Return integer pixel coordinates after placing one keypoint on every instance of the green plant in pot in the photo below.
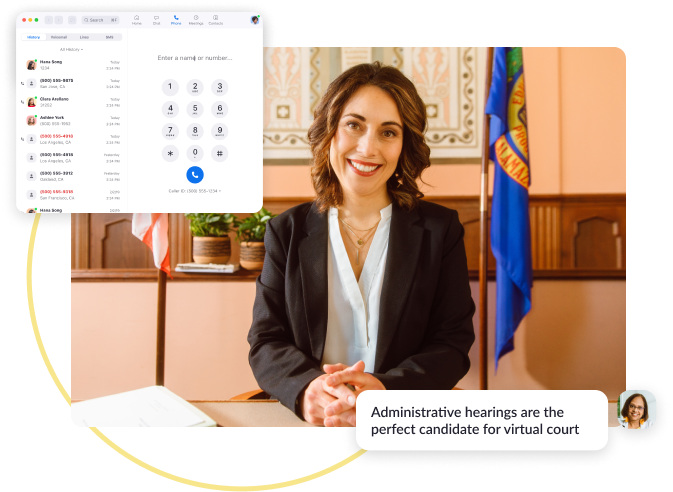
(210, 239)
(251, 237)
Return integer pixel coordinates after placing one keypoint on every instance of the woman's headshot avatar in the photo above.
(634, 413)
(31, 102)
(31, 120)
(31, 64)
(255, 19)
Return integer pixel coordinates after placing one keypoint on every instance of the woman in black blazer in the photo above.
(369, 149)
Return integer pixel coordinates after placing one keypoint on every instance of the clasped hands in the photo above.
(328, 401)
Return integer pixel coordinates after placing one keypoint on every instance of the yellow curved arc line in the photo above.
(106, 440)
(31, 308)
(226, 487)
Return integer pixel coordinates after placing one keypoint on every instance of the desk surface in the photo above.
(251, 413)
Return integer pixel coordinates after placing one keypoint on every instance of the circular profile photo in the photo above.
(31, 102)
(31, 120)
(30, 211)
(31, 65)
(254, 19)
(637, 409)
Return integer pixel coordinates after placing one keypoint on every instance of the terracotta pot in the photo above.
(211, 249)
(252, 255)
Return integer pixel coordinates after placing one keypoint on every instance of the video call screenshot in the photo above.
(415, 242)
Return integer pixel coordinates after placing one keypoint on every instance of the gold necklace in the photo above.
(361, 230)
(360, 240)
(361, 243)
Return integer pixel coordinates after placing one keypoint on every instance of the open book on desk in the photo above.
(154, 406)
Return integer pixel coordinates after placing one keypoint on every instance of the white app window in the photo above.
(139, 112)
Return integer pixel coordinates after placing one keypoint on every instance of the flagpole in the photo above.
(483, 238)
(161, 326)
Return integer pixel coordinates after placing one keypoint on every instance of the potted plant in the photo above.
(251, 237)
(210, 243)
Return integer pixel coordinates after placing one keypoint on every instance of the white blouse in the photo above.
(353, 306)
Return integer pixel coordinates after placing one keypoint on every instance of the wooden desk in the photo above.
(251, 413)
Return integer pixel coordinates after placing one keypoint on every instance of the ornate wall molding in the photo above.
(449, 80)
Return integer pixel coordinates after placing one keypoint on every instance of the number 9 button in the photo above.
(219, 131)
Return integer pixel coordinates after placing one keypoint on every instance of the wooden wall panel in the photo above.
(568, 232)
(180, 246)
(79, 241)
(545, 231)
(594, 232)
(112, 245)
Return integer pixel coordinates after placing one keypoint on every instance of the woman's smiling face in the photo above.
(636, 409)
(368, 142)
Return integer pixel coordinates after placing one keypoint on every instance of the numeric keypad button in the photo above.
(219, 153)
(170, 87)
(170, 153)
(219, 87)
(170, 109)
(195, 153)
(170, 132)
(219, 131)
(195, 109)
(219, 109)
(195, 131)
(194, 87)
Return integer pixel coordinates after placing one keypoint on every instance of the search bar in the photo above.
(100, 19)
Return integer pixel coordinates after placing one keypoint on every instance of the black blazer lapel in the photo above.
(313, 267)
(404, 246)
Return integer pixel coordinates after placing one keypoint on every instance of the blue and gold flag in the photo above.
(510, 222)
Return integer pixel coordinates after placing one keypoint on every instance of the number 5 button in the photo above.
(195, 109)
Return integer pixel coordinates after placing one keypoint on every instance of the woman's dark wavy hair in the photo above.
(625, 408)
(415, 155)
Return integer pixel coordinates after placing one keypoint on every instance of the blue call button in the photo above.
(195, 174)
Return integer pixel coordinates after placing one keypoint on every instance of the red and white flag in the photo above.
(152, 229)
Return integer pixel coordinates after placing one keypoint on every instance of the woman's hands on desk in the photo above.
(317, 396)
(343, 408)
(328, 401)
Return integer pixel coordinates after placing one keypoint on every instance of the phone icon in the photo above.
(195, 174)
(175, 17)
